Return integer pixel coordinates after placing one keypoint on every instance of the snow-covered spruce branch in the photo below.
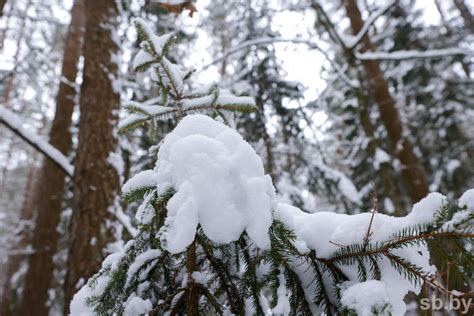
(413, 54)
(14, 123)
(384, 248)
(213, 239)
(142, 114)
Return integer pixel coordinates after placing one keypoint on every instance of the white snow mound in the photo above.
(219, 182)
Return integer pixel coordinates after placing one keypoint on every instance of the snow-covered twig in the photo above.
(351, 41)
(270, 40)
(411, 54)
(257, 41)
(14, 123)
(327, 23)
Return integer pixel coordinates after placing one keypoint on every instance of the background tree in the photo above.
(49, 202)
(96, 179)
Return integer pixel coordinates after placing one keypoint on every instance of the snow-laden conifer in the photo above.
(213, 239)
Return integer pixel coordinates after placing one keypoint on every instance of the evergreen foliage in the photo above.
(290, 277)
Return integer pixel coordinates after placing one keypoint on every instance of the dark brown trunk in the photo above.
(2, 6)
(9, 303)
(96, 182)
(465, 13)
(51, 184)
(385, 171)
(412, 171)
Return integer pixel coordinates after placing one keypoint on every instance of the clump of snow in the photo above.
(219, 181)
(201, 277)
(467, 200)
(159, 42)
(452, 165)
(388, 206)
(380, 157)
(141, 58)
(283, 303)
(366, 297)
(145, 211)
(137, 306)
(115, 159)
(142, 259)
(79, 306)
(326, 232)
(140, 180)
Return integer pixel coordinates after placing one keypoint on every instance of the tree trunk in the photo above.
(51, 184)
(465, 13)
(9, 304)
(2, 6)
(412, 171)
(96, 182)
(385, 171)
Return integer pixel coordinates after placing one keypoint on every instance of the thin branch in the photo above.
(353, 41)
(374, 210)
(328, 25)
(256, 42)
(269, 40)
(14, 123)
(394, 243)
(412, 54)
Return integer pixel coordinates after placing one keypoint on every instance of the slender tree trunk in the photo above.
(465, 13)
(96, 182)
(51, 183)
(9, 303)
(412, 171)
(385, 171)
(2, 6)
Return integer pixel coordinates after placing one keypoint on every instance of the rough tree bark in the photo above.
(51, 183)
(412, 171)
(95, 181)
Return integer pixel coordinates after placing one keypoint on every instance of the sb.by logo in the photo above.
(461, 304)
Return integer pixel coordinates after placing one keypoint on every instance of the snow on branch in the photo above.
(256, 42)
(411, 54)
(351, 42)
(14, 123)
(272, 40)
